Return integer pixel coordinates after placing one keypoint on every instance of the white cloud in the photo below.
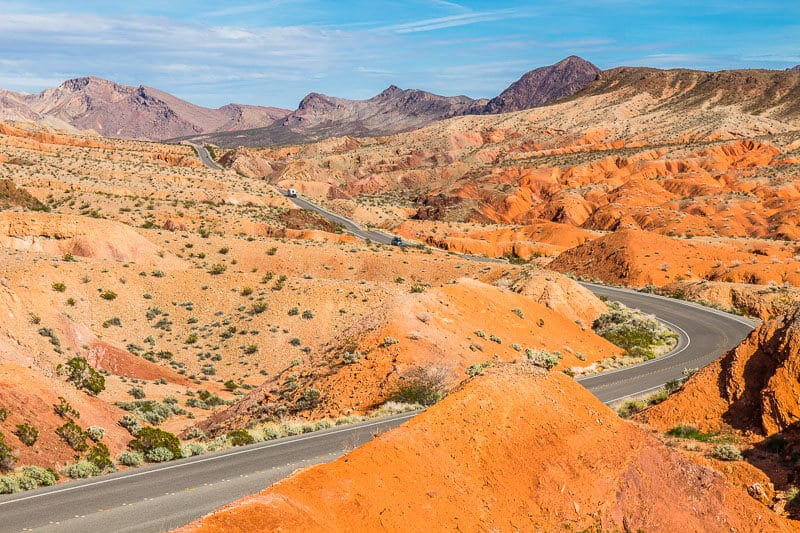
(451, 21)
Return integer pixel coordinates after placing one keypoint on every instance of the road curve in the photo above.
(205, 157)
(162, 497)
(703, 335)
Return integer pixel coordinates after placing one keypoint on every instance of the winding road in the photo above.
(162, 497)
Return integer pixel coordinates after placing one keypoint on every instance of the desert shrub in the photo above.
(95, 433)
(422, 385)
(130, 423)
(270, 432)
(217, 269)
(137, 392)
(632, 330)
(193, 449)
(307, 314)
(726, 452)
(152, 411)
(73, 435)
(542, 358)
(3, 414)
(27, 434)
(36, 476)
(99, 456)
(239, 437)
(495, 338)
(59, 286)
(388, 341)
(159, 454)
(82, 469)
(108, 295)
(65, 410)
(478, 368)
(83, 376)
(688, 431)
(631, 407)
(351, 358)
(150, 438)
(258, 307)
(7, 458)
(312, 396)
(9, 484)
(294, 311)
(130, 458)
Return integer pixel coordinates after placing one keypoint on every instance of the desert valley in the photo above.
(155, 307)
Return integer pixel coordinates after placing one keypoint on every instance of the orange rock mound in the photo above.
(516, 449)
(753, 387)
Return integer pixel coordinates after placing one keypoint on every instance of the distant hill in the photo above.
(320, 116)
(545, 85)
(395, 110)
(115, 110)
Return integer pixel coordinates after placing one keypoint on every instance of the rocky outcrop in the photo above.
(753, 387)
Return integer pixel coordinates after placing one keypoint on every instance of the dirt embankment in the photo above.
(480, 460)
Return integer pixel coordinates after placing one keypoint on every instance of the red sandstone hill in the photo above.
(516, 449)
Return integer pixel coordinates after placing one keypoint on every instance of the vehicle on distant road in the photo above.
(291, 193)
(397, 241)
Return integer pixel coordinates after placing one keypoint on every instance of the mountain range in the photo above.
(116, 110)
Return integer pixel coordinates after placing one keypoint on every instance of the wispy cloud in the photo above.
(451, 21)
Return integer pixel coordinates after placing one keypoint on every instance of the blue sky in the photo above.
(274, 52)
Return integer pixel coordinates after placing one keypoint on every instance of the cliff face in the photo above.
(753, 387)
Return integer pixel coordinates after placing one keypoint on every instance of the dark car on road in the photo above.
(397, 241)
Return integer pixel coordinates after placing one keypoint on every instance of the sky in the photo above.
(274, 52)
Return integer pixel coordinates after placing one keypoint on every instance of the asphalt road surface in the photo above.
(205, 157)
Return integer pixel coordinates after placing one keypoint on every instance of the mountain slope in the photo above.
(545, 85)
(116, 110)
(319, 116)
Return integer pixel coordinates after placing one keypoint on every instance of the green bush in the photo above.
(217, 269)
(130, 458)
(59, 286)
(36, 476)
(631, 407)
(137, 392)
(726, 452)
(83, 376)
(239, 437)
(638, 334)
(82, 469)
(95, 433)
(27, 434)
(65, 410)
(160, 454)
(7, 458)
(688, 431)
(108, 295)
(9, 484)
(99, 456)
(130, 423)
(193, 449)
(150, 438)
(542, 358)
(73, 435)
(422, 385)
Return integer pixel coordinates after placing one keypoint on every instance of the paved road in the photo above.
(703, 335)
(349, 225)
(163, 497)
(205, 157)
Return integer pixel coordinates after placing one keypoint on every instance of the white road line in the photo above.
(207, 459)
